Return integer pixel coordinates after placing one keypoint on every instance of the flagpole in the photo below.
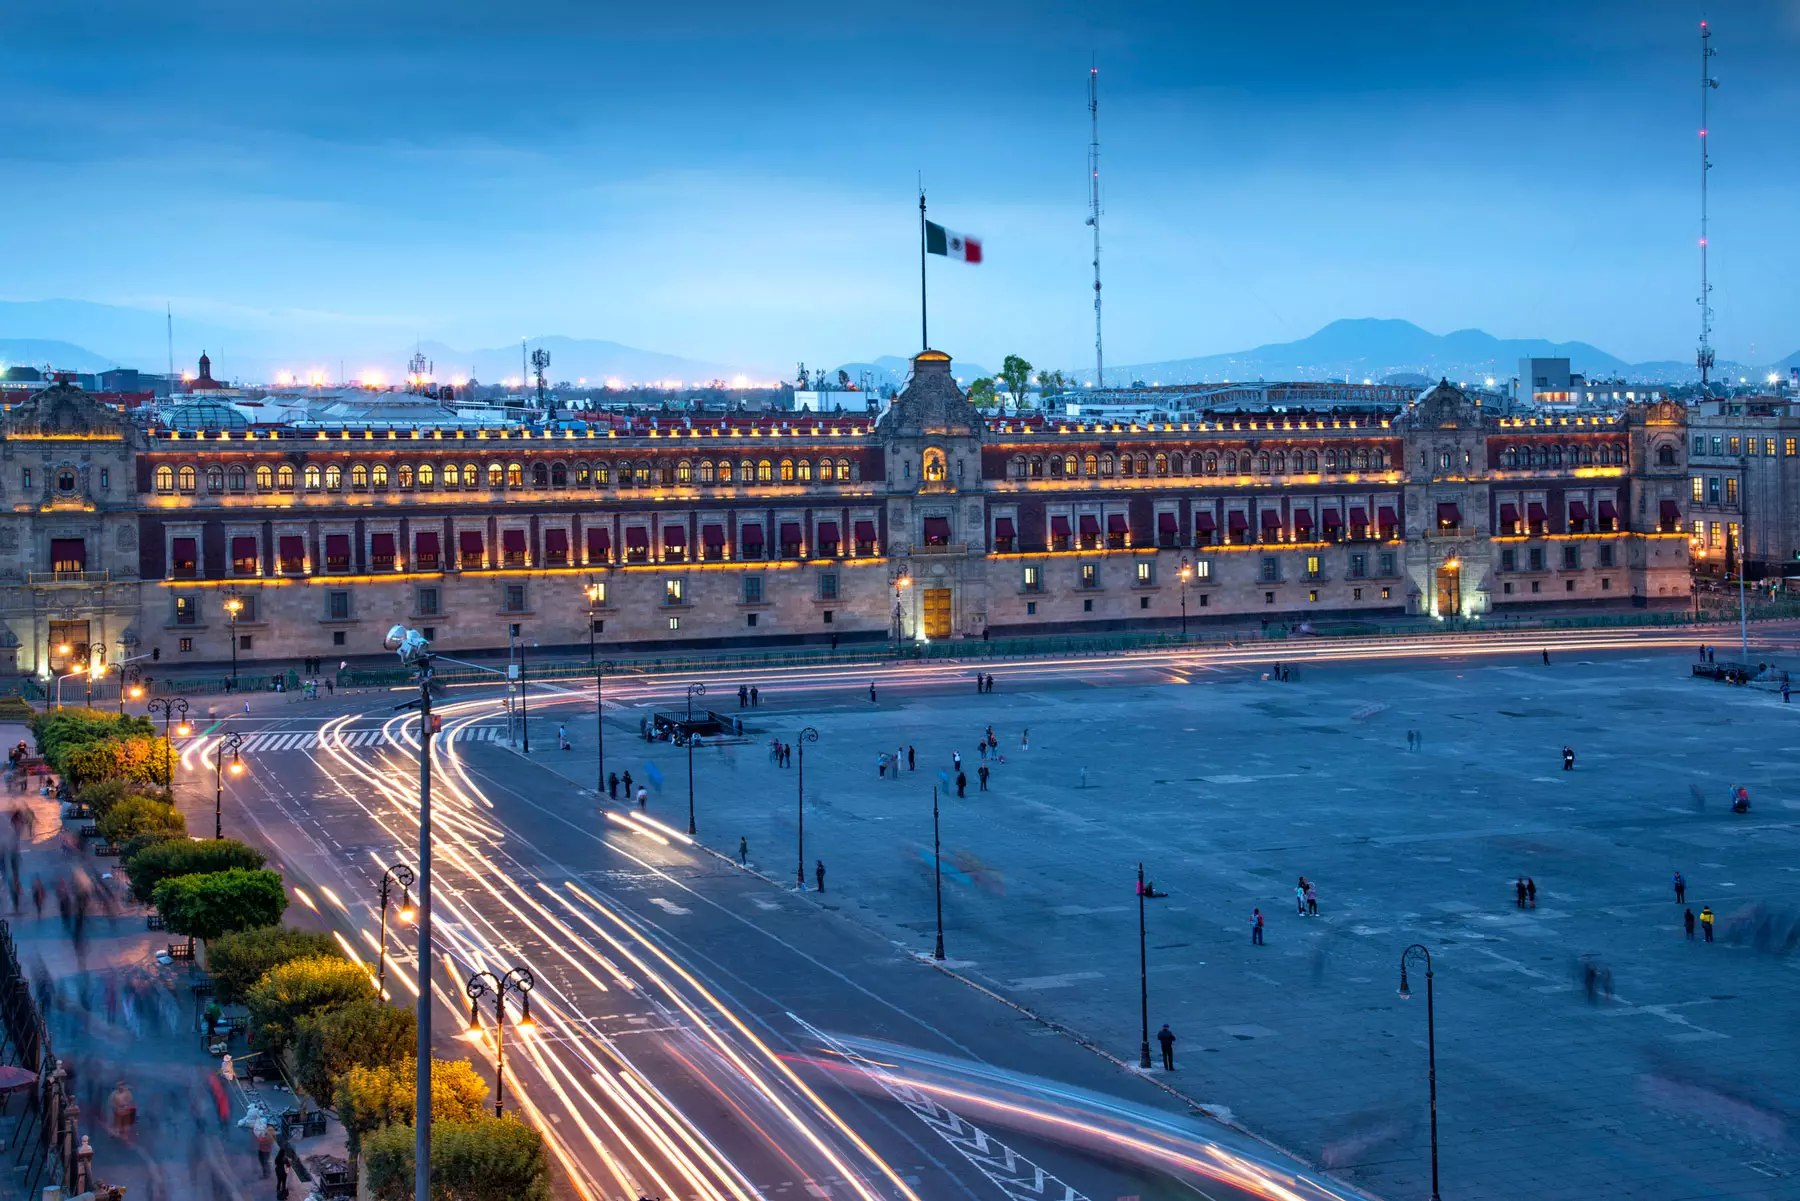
(924, 329)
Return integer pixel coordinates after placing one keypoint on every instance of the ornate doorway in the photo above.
(937, 612)
(1449, 590)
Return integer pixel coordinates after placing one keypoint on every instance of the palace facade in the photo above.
(932, 522)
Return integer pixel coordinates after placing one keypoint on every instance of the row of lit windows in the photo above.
(363, 477)
(1520, 457)
(1744, 446)
(1706, 488)
(1210, 462)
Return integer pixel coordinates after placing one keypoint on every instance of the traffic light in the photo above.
(155, 653)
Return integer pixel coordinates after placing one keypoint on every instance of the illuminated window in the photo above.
(312, 476)
(765, 472)
(674, 623)
(496, 476)
(427, 475)
(1312, 567)
(1699, 488)
(1731, 489)
(403, 475)
(802, 470)
(845, 471)
(359, 477)
(747, 471)
(1203, 569)
(1788, 447)
(1146, 572)
(1211, 462)
(684, 472)
(584, 475)
(265, 478)
(1735, 443)
(787, 471)
(1090, 575)
(165, 479)
(1091, 465)
(1162, 464)
(1070, 466)
(237, 477)
(1031, 578)
(334, 478)
(673, 590)
(186, 612)
(724, 471)
(284, 477)
(378, 477)
(1125, 465)
(215, 479)
(1106, 465)
(471, 477)
(515, 475)
(1768, 446)
(186, 476)
(706, 471)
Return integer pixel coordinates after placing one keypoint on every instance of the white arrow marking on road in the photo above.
(668, 906)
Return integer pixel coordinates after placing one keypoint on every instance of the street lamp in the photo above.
(600, 671)
(1144, 970)
(66, 676)
(937, 874)
(1430, 1047)
(229, 741)
(693, 690)
(807, 735)
(400, 874)
(594, 592)
(518, 980)
(170, 707)
(900, 581)
(414, 650)
(1186, 571)
(234, 605)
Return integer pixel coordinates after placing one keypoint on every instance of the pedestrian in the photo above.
(1025, 739)
(1784, 692)
(37, 896)
(982, 775)
(562, 736)
(956, 760)
(265, 1148)
(1419, 740)
(1687, 920)
(246, 707)
(1312, 900)
(1519, 891)
(1531, 892)
(1568, 759)
(909, 759)
(819, 873)
(328, 692)
(980, 683)
(743, 851)
(124, 1111)
(1166, 1037)
(1680, 889)
(643, 797)
(962, 784)
(1706, 921)
(743, 696)
(834, 638)
(1084, 775)
(755, 697)
(282, 1159)
(1300, 897)
(881, 765)
(612, 785)
(871, 692)
(1409, 740)
(1546, 656)
(1256, 928)
(626, 780)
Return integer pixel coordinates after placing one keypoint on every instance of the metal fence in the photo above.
(46, 1140)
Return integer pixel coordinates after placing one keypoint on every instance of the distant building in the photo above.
(1745, 487)
(204, 383)
(1548, 381)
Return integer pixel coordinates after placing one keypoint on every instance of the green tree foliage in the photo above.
(362, 1033)
(1053, 383)
(138, 816)
(58, 731)
(486, 1159)
(981, 393)
(128, 850)
(206, 906)
(301, 988)
(159, 861)
(369, 1098)
(139, 758)
(237, 961)
(1017, 374)
(103, 796)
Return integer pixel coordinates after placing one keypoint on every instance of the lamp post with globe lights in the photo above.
(518, 981)
(229, 741)
(1418, 950)
(171, 708)
(402, 875)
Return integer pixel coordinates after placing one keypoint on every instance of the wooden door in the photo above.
(937, 612)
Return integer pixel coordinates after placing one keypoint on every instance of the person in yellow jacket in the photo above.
(1706, 921)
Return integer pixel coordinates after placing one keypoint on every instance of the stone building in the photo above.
(1745, 459)
(932, 523)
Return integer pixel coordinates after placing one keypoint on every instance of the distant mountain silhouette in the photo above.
(65, 356)
(891, 370)
(571, 359)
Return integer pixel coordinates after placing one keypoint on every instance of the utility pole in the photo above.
(1704, 358)
(1094, 213)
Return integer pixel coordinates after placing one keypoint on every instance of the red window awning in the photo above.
(675, 535)
(1448, 513)
(1003, 528)
(1577, 511)
(1236, 521)
(828, 531)
(470, 542)
(1535, 512)
(1302, 519)
(1332, 520)
(556, 542)
(752, 531)
(74, 550)
(1271, 519)
(937, 529)
(1116, 524)
(379, 544)
(1167, 524)
(1509, 516)
(712, 535)
(1388, 517)
(790, 532)
(1670, 511)
(1203, 521)
(185, 550)
(292, 548)
(337, 546)
(865, 531)
(1059, 527)
(1090, 525)
(1608, 512)
(512, 541)
(1359, 516)
(426, 542)
(241, 549)
(637, 537)
(599, 542)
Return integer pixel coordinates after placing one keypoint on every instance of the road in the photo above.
(700, 1032)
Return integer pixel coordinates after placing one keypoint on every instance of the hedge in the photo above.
(483, 1159)
(159, 861)
(362, 1033)
(299, 988)
(238, 960)
(369, 1098)
(207, 906)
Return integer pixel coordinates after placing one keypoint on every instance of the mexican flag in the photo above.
(951, 244)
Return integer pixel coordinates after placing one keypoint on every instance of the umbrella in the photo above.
(13, 1078)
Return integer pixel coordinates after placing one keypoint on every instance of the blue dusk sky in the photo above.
(736, 182)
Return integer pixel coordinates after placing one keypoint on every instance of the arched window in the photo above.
(1034, 467)
(471, 477)
(1278, 462)
(848, 472)
(334, 478)
(640, 474)
(1378, 460)
(1508, 457)
(359, 476)
(540, 475)
(1143, 464)
(706, 471)
(215, 478)
(1262, 464)
(1056, 466)
(724, 471)
(787, 471)
(311, 476)
(496, 475)
(265, 477)
(747, 471)
(1231, 465)
(765, 472)
(559, 475)
(515, 475)
(1587, 456)
(1070, 466)
(403, 476)
(188, 478)
(1125, 465)
(1330, 462)
(1312, 462)
(1178, 464)
(165, 478)
(1556, 456)
(1016, 468)
(583, 475)
(284, 477)
(803, 471)
(1540, 457)
(1211, 462)
(378, 475)
(602, 474)
(237, 477)
(1162, 464)
(1090, 465)
(1665, 457)
(452, 475)
(427, 475)
(1106, 465)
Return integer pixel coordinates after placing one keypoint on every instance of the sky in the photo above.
(737, 183)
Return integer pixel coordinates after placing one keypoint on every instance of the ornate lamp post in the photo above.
(693, 690)
(518, 980)
(170, 707)
(600, 671)
(807, 735)
(1143, 977)
(595, 591)
(229, 741)
(234, 605)
(1186, 571)
(402, 875)
(1430, 1047)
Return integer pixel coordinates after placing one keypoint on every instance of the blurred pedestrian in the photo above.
(1166, 1037)
(1680, 889)
(743, 851)
(1300, 897)
(1546, 657)
(1531, 892)
(1568, 759)
(1519, 892)
(1256, 927)
(871, 692)
(265, 1148)
(981, 774)
(612, 785)
(1687, 920)
(643, 797)
(124, 1111)
(910, 759)
(962, 784)
(562, 737)
(819, 873)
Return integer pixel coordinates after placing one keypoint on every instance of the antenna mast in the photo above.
(1704, 359)
(1094, 214)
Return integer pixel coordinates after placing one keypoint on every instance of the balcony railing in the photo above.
(68, 577)
(944, 548)
(1450, 531)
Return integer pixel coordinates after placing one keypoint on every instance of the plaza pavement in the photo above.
(1230, 786)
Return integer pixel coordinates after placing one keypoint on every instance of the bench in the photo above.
(154, 921)
(89, 831)
(181, 952)
(106, 849)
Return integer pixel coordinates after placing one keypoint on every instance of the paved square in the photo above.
(1230, 787)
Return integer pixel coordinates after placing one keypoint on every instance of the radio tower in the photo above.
(1704, 359)
(1094, 214)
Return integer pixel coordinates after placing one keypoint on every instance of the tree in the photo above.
(159, 861)
(237, 961)
(1052, 383)
(483, 1159)
(98, 798)
(299, 988)
(981, 393)
(370, 1098)
(141, 758)
(206, 906)
(360, 1034)
(1017, 374)
(138, 816)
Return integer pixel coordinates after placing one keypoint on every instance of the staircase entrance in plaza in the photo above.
(937, 612)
